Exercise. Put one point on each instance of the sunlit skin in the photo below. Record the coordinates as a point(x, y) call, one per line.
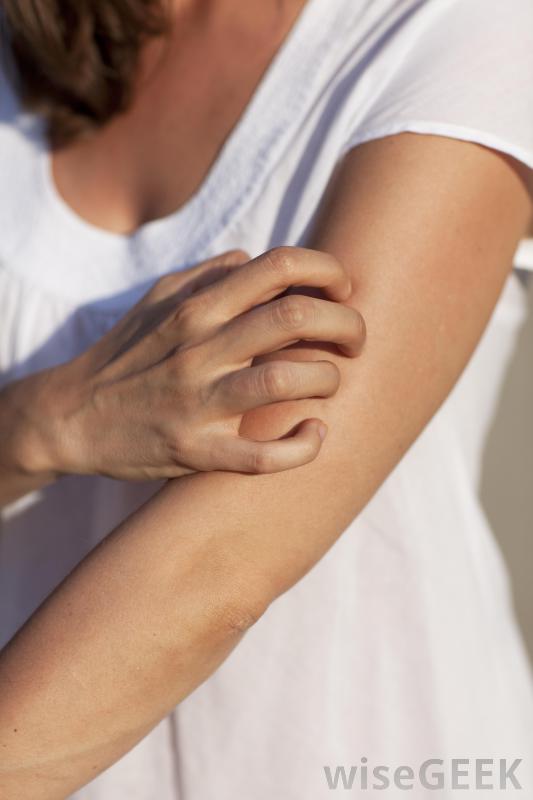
point(426, 228)
point(163, 393)
point(148, 162)
point(142, 166)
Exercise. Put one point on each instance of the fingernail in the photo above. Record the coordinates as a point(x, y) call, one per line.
point(322, 431)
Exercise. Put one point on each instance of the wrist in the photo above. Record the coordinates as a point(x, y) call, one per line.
point(27, 430)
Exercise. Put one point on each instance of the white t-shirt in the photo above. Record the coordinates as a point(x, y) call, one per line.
point(401, 644)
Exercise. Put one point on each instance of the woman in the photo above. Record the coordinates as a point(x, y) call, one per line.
point(400, 644)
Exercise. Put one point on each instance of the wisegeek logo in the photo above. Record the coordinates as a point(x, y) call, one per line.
point(434, 774)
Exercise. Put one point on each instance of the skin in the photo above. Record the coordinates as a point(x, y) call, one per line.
point(211, 551)
point(162, 149)
point(427, 228)
point(157, 422)
point(163, 393)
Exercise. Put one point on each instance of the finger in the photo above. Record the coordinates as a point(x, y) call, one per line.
point(216, 269)
point(244, 455)
point(275, 381)
point(146, 334)
point(282, 322)
point(175, 286)
point(272, 273)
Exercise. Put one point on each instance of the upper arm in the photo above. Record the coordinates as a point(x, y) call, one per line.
point(427, 227)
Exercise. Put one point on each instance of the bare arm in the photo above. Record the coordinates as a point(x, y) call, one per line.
point(428, 228)
point(164, 392)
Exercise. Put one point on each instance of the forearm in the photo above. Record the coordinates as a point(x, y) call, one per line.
point(131, 632)
point(145, 619)
point(211, 551)
point(155, 609)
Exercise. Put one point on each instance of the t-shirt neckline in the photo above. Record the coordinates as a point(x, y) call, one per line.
point(245, 155)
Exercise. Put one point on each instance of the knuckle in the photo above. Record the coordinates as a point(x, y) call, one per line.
point(159, 335)
point(259, 462)
point(167, 285)
point(187, 317)
point(282, 261)
point(186, 366)
point(195, 380)
point(274, 380)
point(231, 258)
point(292, 312)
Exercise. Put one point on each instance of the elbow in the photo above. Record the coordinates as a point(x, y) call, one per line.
point(241, 615)
point(226, 605)
point(244, 602)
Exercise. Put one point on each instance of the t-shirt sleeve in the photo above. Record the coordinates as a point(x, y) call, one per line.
point(464, 70)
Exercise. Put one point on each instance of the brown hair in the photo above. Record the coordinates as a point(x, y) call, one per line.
point(74, 61)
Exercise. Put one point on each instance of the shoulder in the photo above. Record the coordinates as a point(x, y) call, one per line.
point(435, 33)
point(457, 68)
